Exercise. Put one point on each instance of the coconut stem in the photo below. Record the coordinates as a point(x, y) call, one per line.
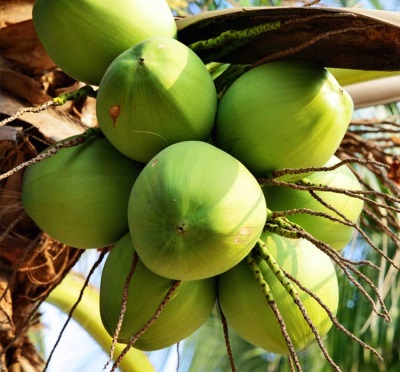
point(71, 142)
point(87, 90)
point(271, 302)
point(228, 41)
point(344, 221)
point(274, 266)
point(286, 171)
point(178, 357)
point(332, 317)
point(157, 313)
point(280, 225)
point(388, 202)
point(226, 338)
point(291, 364)
point(371, 148)
point(24, 110)
point(382, 226)
point(344, 264)
point(228, 77)
point(291, 290)
point(359, 194)
point(349, 223)
point(288, 229)
point(123, 308)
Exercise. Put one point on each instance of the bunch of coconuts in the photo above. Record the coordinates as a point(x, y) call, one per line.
point(173, 176)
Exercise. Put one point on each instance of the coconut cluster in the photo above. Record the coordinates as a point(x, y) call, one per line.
point(171, 178)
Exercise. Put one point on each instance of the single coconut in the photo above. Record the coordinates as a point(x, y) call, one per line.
point(155, 94)
point(187, 309)
point(195, 211)
point(84, 36)
point(290, 114)
point(80, 195)
point(246, 308)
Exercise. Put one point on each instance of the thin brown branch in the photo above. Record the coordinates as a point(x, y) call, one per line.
point(334, 320)
point(122, 312)
point(316, 334)
point(136, 336)
point(359, 194)
point(71, 142)
point(24, 110)
point(363, 234)
point(226, 338)
point(345, 266)
point(271, 302)
point(353, 160)
point(85, 284)
point(12, 225)
point(345, 222)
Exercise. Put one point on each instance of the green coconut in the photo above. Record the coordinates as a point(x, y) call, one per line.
point(155, 94)
point(80, 195)
point(84, 36)
point(185, 312)
point(279, 115)
point(248, 312)
point(195, 211)
point(334, 233)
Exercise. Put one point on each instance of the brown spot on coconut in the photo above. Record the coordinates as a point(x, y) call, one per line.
point(114, 113)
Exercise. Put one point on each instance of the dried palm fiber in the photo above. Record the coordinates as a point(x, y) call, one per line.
point(31, 263)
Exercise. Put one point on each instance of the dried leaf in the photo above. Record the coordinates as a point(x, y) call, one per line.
point(21, 85)
point(53, 123)
point(394, 173)
point(353, 38)
point(20, 45)
point(15, 11)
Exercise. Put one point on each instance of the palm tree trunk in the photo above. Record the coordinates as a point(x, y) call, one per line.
point(31, 263)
